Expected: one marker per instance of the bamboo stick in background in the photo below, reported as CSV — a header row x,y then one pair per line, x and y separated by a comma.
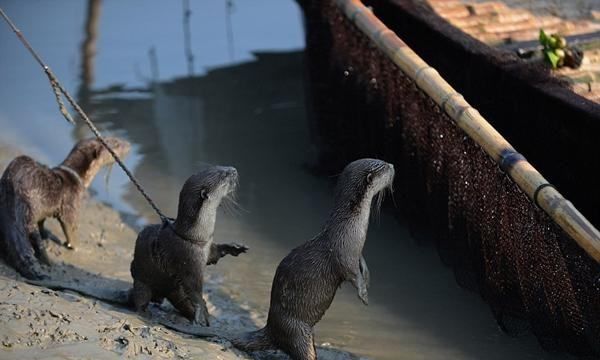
x,y
469,120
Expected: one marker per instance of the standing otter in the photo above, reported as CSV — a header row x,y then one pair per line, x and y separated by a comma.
x,y
31,192
169,261
307,279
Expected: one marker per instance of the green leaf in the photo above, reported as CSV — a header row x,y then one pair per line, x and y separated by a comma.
x,y
552,58
548,42
544,39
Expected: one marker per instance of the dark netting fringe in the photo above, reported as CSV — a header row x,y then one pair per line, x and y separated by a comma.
x,y
533,276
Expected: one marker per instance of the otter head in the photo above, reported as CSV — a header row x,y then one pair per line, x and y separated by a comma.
x,y
362,179
201,195
88,156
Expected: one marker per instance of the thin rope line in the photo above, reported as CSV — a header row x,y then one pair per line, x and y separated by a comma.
x,y
58,89
72,172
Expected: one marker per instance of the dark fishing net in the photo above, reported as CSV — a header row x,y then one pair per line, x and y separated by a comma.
x,y
533,275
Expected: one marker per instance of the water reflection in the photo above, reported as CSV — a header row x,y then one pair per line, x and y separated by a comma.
x,y
88,50
252,116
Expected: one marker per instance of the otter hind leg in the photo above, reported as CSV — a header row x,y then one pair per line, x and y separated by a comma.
x,y
142,294
254,341
297,340
47,234
38,248
192,307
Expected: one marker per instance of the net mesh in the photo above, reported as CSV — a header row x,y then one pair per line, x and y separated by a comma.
x,y
531,273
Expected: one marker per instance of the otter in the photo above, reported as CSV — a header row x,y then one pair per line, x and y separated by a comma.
x,y
307,279
31,192
169,261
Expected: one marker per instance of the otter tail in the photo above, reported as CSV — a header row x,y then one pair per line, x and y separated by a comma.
x,y
254,341
195,330
120,297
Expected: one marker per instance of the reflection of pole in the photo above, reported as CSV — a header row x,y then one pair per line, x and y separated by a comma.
x,y
88,55
88,47
187,37
228,25
153,64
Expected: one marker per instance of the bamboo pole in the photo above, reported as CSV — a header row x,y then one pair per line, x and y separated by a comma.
x,y
471,122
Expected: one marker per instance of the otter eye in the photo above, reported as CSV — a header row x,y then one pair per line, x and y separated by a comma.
x,y
204,194
369,177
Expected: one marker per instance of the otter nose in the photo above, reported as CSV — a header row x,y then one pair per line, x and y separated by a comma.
x,y
231,170
391,166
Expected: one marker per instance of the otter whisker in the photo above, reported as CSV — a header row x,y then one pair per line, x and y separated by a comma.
x,y
376,212
391,191
229,209
237,205
107,177
231,206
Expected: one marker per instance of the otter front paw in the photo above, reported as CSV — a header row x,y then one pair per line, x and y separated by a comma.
x,y
363,295
233,249
361,287
363,280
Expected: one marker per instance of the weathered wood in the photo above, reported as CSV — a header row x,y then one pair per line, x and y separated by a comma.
x,y
474,125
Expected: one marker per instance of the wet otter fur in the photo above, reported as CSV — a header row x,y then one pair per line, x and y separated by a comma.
x,y
169,261
307,279
31,192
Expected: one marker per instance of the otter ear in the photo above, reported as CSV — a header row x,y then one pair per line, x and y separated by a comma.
x,y
369,178
204,194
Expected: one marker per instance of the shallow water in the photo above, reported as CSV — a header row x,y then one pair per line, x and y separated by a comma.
x,y
244,106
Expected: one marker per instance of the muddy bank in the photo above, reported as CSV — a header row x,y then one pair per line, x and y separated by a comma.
x,y
37,322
